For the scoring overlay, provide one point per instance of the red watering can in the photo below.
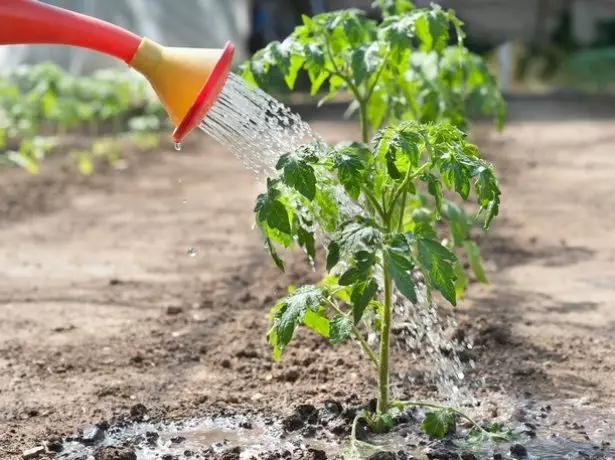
(187, 80)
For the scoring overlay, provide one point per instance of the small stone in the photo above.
(115, 453)
(174, 310)
(35, 452)
(177, 439)
(226, 363)
(518, 451)
(246, 425)
(497, 457)
(468, 456)
(91, 435)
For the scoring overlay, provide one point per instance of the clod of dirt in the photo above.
(518, 451)
(91, 435)
(333, 407)
(54, 444)
(177, 439)
(442, 455)
(291, 376)
(226, 364)
(174, 310)
(230, 454)
(138, 412)
(315, 454)
(468, 456)
(152, 437)
(382, 456)
(35, 452)
(292, 423)
(248, 353)
(115, 453)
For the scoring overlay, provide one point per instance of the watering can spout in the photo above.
(187, 80)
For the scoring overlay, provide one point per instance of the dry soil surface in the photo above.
(102, 307)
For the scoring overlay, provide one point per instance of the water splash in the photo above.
(256, 127)
(191, 252)
(178, 146)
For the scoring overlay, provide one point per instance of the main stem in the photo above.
(385, 332)
(383, 405)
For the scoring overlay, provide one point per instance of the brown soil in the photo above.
(102, 307)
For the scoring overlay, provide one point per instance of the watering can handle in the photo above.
(33, 22)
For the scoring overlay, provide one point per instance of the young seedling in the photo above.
(379, 204)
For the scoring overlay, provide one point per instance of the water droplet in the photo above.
(184, 201)
(178, 146)
(191, 252)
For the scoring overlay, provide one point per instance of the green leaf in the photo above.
(359, 66)
(306, 241)
(434, 187)
(459, 223)
(475, 260)
(340, 329)
(349, 164)
(333, 255)
(290, 313)
(438, 424)
(462, 280)
(361, 296)
(398, 263)
(317, 321)
(299, 174)
(277, 217)
(438, 264)
(349, 277)
(274, 254)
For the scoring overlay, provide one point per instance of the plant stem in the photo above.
(364, 121)
(357, 334)
(385, 332)
(374, 201)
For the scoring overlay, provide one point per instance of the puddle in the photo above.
(567, 432)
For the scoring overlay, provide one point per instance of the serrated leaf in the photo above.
(277, 217)
(349, 277)
(475, 260)
(290, 313)
(317, 321)
(333, 255)
(434, 187)
(299, 174)
(306, 241)
(437, 424)
(361, 296)
(340, 329)
(398, 264)
(350, 167)
(438, 264)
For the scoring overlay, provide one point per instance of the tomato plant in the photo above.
(40, 104)
(380, 205)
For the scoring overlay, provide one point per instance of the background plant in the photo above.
(41, 105)
(390, 232)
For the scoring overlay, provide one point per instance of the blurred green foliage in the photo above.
(41, 106)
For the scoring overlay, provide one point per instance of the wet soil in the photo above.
(105, 314)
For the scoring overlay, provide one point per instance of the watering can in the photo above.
(187, 80)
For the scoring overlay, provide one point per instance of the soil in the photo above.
(105, 312)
